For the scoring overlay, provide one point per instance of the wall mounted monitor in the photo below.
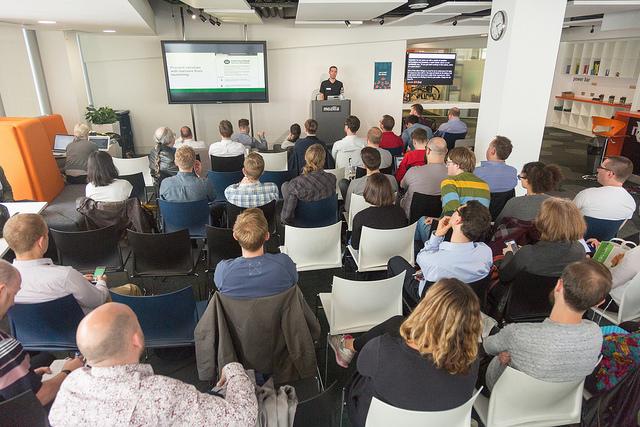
(425, 68)
(203, 72)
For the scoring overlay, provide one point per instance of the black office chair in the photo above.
(227, 164)
(498, 200)
(528, 298)
(424, 205)
(602, 229)
(360, 172)
(23, 410)
(269, 211)
(85, 250)
(480, 287)
(278, 178)
(451, 138)
(322, 410)
(137, 182)
(220, 245)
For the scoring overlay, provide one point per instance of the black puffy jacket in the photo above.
(167, 162)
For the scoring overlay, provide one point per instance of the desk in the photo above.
(20, 207)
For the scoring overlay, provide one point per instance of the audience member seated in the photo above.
(416, 156)
(351, 142)
(412, 124)
(425, 179)
(494, 171)
(186, 138)
(243, 137)
(538, 179)
(75, 165)
(314, 183)
(389, 139)
(103, 184)
(6, 192)
(565, 347)
(453, 123)
(187, 186)
(465, 257)
(255, 274)
(162, 156)
(611, 201)
(297, 158)
(418, 111)
(384, 214)
(18, 374)
(226, 147)
(42, 281)
(427, 362)
(371, 160)
(374, 137)
(250, 192)
(115, 388)
(292, 138)
(561, 227)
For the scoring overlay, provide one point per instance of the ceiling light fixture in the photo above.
(192, 13)
(382, 21)
(417, 4)
(592, 29)
(108, 31)
(455, 22)
(46, 22)
(202, 17)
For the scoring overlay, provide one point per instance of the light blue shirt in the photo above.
(454, 125)
(468, 262)
(406, 134)
(500, 176)
(249, 141)
(186, 187)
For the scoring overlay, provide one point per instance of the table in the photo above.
(20, 207)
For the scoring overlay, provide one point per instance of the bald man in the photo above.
(123, 391)
(16, 373)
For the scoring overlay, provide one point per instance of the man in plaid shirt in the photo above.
(250, 192)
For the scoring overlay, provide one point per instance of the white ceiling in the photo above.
(219, 4)
(341, 10)
(124, 16)
(422, 18)
(458, 7)
(596, 7)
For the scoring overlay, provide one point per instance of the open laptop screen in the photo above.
(61, 141)
(101, 141)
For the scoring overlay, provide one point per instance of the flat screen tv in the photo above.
(424, 68)
(203, 72)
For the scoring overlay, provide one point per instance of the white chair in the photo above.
(488, 323)
(377, 247)
(275, 162)
(339, 173)
(629, 304)
(343, 158)
(468, 142)
(313, 248)
(205, 159)
(382, 414)
(357, 204)
(133, 166)
(520, 400)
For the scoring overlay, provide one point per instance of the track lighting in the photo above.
(192, 13)
(455, 22)
(382, 21)
(347, 23)
(202, 17)
(592, 29)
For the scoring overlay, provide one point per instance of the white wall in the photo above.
(16, 83)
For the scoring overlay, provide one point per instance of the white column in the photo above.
(518, 75)
(33, 51)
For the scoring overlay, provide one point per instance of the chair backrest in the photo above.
(395, 151)
(221, 245)
(470, 143)
(278, 178)
(227, 164)
(357, 204)
(23, 410)
(339, 174)
(480, 287)
(451, 138)
(190, 215)
(382, 414)
(321, 410)
(377, 247)
(158, 254)
(165, 319)
(528, 298)
(202, 154)
(314, 248)
(269, 211)
(518, 399)
(46, 326)
(601, 229)
(425, 205)
(630, 304)
(221, 180)
(275, 162)
(134, 165)
(344, 158)
(498, 200)
(85, 250)
(319, 213)
(377, 301)
(137, 182)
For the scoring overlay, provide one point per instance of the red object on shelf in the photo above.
(591, 101)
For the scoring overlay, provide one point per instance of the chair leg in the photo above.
(326, 357)
(342, 403)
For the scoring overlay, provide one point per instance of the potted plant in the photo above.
(103, 119)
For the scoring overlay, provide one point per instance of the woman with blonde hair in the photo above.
(75, 165)
(427, 362)
(314, 184)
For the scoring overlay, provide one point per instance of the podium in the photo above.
(330, 115)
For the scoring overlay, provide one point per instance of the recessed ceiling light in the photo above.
(46, 22)
(418, 4)
(108, 31)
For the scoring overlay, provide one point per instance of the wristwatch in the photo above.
(66, 371)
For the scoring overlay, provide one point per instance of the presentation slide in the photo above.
(198, 72)
(430, 68)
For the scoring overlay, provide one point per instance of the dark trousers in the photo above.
(397, 265)
(390, 326)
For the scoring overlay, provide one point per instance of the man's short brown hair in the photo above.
(374, 136)
(185, 157)
(251, 229)
(621, 167)
(463, 157)
(353, 123)
(503, 147)
(22, 231)
(311, 126)
(226, 128)
(253, 165)
(454, 111)
(420, 136)
(371, 158)
(387, 122)
(476, 220)
(586, 283)
(378, 191)
(419, 108)
(243, 123)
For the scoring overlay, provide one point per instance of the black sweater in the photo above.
(381, 218)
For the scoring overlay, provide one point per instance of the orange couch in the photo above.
(27, 160)
(53, 124)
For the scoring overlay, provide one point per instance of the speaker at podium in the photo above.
(330, 115)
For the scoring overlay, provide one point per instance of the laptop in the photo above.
(60, 143)
(101, 141)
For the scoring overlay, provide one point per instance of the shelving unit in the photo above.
(574, 114)
(616, 58)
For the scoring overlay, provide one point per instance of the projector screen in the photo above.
(430, 68)
(201, 72)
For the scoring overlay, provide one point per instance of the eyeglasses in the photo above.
(604, 169)
(449, 163)
(521, 177)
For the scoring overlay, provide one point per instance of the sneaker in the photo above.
(343, 354)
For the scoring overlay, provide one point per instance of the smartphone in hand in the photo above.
(512, 245)
(98, 273)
